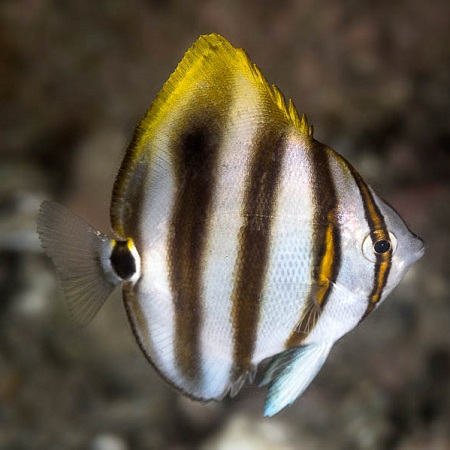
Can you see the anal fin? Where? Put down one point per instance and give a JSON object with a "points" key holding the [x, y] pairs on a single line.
{"points": [[290, 373]]}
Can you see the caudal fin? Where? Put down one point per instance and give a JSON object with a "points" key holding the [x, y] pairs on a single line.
{"points": [[81, 256]]}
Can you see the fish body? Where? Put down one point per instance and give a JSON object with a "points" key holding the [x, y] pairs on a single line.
{"points": [[237, 236]]}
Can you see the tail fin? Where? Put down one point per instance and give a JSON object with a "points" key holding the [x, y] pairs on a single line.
{"points": [[81, 256]]}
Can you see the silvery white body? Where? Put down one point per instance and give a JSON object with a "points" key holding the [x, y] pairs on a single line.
{"points": [[238, 236]]}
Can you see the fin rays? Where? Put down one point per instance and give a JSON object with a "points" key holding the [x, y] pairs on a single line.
{"points": [[80, 255], [290, 373]]}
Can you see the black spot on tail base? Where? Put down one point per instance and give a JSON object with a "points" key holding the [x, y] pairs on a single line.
{"points": [[122, 260]]}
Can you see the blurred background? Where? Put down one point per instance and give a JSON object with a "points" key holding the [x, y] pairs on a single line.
{"points": [[76, 76]]}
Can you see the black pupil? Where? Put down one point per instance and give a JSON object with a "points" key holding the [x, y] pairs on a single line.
{"points": [[382, 246]]}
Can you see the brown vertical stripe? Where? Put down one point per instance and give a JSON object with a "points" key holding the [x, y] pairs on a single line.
{"points": [[254, 243], [195, 158], [379, 231], [326, 247]]}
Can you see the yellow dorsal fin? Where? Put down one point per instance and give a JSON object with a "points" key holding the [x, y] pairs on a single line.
{"points": [[211, 57], [213, 78]]}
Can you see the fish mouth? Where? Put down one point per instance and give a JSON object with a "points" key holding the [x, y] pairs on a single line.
{"points": [[420, 248], [421, 252]]}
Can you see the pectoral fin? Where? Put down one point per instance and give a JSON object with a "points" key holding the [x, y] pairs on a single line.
{"points": [[290, 373]]}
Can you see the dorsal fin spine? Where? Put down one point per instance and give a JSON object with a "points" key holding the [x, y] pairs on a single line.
{"points": [[287, 108]]}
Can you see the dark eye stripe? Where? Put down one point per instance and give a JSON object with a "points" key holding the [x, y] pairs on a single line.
{"points": [[376, 222]]}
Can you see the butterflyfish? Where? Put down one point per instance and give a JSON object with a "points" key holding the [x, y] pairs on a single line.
{"points": [[236, 237]]}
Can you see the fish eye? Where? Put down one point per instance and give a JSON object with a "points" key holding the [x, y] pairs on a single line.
{"points": [[382, 246], [375, 245]]}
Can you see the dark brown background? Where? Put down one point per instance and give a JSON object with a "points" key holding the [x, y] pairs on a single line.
{"points": [[75, 77]]}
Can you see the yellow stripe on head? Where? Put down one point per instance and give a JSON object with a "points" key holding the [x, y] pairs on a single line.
{"points": [[378, 228]]}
